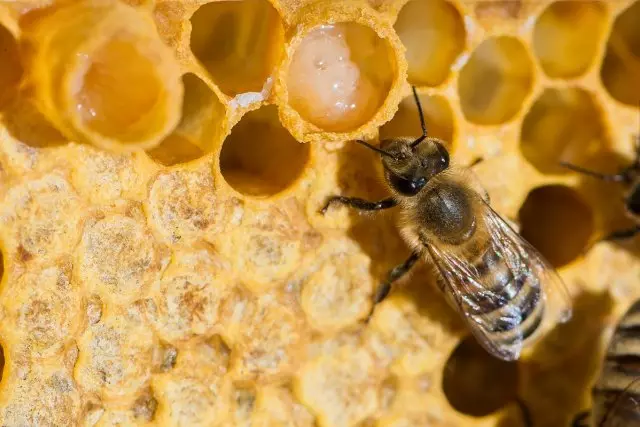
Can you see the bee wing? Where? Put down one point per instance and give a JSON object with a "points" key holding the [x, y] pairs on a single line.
{"points": [[553, 288], [625, 410], [471, 296]]}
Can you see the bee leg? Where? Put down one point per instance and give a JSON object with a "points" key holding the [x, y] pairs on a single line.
{"points": [[581, 420], [396, 273], [360, 204], [622, 234], [527, 420]]}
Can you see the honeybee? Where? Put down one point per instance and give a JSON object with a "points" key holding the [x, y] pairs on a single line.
{"points": [[499, 283], [630, 178], [616, 393]]}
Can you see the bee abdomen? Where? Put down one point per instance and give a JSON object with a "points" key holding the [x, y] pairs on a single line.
{"points": [[622, 361], [617, 374], [499, 285], [508, 304], [620, 369]]}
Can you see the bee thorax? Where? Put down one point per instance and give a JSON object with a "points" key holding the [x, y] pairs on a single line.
{"points": [[446, 212]]}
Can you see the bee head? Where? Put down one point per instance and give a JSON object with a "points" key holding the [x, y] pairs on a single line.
{"points": [[410, 163], [408, 166]]}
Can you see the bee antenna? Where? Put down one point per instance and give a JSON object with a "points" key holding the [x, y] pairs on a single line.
{"points": [[376, 149], [422, 123]]}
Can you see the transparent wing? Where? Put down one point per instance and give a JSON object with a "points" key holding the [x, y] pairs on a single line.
{"points": [[625, 410], [474, 298], [555, 292]]}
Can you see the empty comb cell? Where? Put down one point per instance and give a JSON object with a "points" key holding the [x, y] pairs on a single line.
{"points": [[201, 128], [246, 160], [495, 81], [438, 116], [342, 75], [564, 125], [620, 72], [434, 35], [238, 42], [567, 35], [100, 73]]}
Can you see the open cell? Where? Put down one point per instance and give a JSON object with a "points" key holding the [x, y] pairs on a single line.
{"points": [[476, 383], [437, 115], [339, 76], [567, 35], [495, 81], [620, 72], [200, 128], [557, 222], [563, 125], [260, 157], [120, 92], [113, 83], [433, 33], [11, 68], [240, 43]]}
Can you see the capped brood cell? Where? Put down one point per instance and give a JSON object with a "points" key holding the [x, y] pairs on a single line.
{"points": [[342, 73], [101, 74]]}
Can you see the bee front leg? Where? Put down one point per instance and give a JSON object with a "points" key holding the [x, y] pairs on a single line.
{"points": [[360, 204], [395, 274]]}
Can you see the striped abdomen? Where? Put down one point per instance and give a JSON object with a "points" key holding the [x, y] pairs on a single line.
{"points": [[620, 368], [509, 302]]}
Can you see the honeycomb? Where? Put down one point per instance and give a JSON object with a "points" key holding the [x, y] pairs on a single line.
{"points": [[162, 164]]}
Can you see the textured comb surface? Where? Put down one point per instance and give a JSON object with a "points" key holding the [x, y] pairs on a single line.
{"points": [[177, 273]]}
